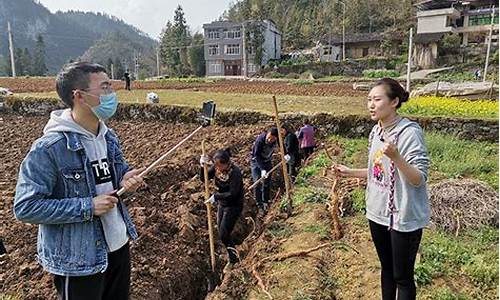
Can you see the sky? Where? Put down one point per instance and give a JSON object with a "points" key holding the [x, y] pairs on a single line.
{"points": [[149, 16]]}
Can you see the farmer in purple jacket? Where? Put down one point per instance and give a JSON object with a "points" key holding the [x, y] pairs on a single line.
{"points": [[306, 139]]}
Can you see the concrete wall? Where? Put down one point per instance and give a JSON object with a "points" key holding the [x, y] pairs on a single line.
{"points": [[272, 43], [434, 21], [432, 24]]}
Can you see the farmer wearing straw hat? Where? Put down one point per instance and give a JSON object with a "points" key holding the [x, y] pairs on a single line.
{"points": [[397, 204], [229, 197]]}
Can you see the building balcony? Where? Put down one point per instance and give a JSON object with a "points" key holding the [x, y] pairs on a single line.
{"points": [[451, 12]]}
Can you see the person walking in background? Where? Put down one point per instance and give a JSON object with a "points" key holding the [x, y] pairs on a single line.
{"points": [[126, 77]]}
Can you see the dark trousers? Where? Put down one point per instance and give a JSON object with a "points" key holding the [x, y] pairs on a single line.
{"points": [[113, 284], [226, 219], [307, 151], [397, 252], [292, 165], [127, 85], [262, 190]]}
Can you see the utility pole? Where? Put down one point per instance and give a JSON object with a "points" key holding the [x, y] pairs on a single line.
{"points": [[136, 65], [11, 49], [408, 71], [245, 63], [343, 29], [158, 61], [112, 72], [489, 44]]}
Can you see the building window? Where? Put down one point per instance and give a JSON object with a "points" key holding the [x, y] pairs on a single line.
{"points": [[214, 68], [232, 49], [213, 34], [451, 22], [251, 68], [482, 20], [232, 34], [213, 49], [327, 50], [365, 52]]}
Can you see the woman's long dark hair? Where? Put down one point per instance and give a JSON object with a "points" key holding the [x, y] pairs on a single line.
{"points": [[394, 90]]}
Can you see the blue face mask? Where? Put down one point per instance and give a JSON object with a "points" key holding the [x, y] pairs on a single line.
{"points": [[107, 107]]}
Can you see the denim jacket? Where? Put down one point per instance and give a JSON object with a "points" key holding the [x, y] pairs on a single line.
{"points": [[55, 189]]}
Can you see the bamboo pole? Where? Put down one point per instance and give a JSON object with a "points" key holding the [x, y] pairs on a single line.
{"points": [[159, 160], [283, 162], [209, 211], [262, 178]]}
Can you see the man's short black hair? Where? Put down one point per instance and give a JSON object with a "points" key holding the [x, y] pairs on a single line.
{"points": [[75, 76], [274, 131]]}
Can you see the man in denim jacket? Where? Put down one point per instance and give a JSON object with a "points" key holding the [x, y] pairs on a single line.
{"points": [[66, 184]]}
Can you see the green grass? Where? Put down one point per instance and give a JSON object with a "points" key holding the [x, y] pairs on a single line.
{"points": [[358, 200], [312, 168], [446, 294], [8, 297], [320, 229], [450, 157], [302, 295], [279, 230], [305, 194], [355, 150], [472, 257]]}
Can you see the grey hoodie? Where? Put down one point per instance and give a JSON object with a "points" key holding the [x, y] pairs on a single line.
{"points": [[412, 202], [95, 147]]}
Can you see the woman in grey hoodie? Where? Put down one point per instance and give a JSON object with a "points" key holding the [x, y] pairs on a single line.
{"points": [[397, 205]]}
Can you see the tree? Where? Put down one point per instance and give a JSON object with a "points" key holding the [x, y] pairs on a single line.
{"points": [[196, 55], [18, 58], [168, 50], [255, 39], [39, 66], [119, 68], [183, 40], [27, 62], [174, 43], [6, 69], [22, 59], [304, 22]]}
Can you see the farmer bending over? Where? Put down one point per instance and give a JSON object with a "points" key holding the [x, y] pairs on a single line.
{"points": [[229, 197], [261, 163]]}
